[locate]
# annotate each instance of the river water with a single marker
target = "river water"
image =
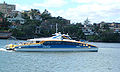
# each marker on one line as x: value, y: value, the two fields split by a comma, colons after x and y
x: 107, y: 59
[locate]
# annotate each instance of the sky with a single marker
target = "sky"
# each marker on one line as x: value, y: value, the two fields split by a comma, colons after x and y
x: 74, y: 10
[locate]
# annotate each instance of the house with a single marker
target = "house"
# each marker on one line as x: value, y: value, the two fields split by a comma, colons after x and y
x: 17, y: 19
x: 87, y: 28
x: 116, y: 30
x: 38, y: 17
x: 87, y: 31
x: 6, y: 8
x: 110, y: 25
x: 38, y: 29
x: 113, y: 26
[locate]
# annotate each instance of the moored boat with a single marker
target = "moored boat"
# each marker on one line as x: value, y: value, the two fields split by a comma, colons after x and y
x: 58, y: 42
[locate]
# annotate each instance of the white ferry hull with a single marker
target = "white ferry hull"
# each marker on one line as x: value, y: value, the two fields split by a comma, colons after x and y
x: 56, y: 49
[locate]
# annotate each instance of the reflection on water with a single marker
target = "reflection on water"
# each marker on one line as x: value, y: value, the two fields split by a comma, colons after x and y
x: 105, y: 60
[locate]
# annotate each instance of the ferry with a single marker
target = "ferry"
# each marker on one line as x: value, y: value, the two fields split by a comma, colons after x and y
x: 58, y: 42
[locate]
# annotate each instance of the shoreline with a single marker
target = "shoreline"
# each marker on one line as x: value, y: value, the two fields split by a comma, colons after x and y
x: 88, y: 41
x: 106, y: 41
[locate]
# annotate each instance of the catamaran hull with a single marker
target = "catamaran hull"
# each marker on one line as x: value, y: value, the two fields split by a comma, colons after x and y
x: 56, y: 49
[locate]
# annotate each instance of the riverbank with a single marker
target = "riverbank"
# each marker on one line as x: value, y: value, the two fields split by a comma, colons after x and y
x: 23, y: 38
x: 105, y: 41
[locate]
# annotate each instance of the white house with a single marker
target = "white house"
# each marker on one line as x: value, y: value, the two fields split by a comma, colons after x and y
x: 18, y: 18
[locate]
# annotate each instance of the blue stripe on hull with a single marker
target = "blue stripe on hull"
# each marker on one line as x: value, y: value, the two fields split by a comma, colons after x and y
x: 57, y: 49
x: 40, y: 47
x: 54, y: 46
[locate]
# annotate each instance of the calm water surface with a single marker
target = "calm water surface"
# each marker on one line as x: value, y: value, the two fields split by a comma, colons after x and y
x: 107, y: 59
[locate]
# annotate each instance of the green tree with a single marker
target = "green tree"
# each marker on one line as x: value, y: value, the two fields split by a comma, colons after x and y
x: 46, y: 15
x: 1, y: 14
x: 75, y: 32
x: 25, y: 15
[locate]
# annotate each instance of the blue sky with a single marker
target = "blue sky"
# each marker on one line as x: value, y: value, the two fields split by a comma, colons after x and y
x: 74, y: 10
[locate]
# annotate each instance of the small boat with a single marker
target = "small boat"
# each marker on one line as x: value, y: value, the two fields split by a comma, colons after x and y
x: 58, y: 42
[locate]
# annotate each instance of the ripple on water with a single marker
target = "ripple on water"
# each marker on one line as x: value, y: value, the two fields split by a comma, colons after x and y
x: 105, y: 60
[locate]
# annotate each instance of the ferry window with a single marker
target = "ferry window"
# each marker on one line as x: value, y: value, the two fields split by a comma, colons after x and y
x: 31, y: 42
x: 59, y: 42
x: 45, y: 43
x: 65, y: 43
x: 55, y: 42
x: 52, y: 43
x: 37, y: 41
x: 48, y: 42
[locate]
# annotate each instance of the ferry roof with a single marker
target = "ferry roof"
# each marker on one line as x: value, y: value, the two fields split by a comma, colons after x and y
x: 41, y: 39
x: 58, y: 36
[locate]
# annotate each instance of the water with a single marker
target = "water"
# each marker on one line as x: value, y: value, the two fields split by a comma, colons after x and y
x: 107, y: 59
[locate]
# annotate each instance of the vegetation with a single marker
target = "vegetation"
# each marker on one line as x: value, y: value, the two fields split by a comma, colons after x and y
x: 47, y: 27
x: 105, y: 34
x: 4, y: 24
x: 110, y: 36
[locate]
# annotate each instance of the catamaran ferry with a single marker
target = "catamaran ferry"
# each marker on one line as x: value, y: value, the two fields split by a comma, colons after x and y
x: 58, y: 42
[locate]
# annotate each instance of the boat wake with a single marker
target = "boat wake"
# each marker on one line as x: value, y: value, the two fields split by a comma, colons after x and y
x: 2, y: 49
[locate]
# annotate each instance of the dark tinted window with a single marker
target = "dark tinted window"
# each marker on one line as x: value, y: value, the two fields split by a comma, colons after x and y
x: 60, y: 43
x: 37, y: 41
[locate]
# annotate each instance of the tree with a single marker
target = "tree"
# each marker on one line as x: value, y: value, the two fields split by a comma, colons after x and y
x: 106, y: 26
x: 75, y: 32
x: 86, y: 22
x: 25, y: 15
x: 1, y: 14
x: 46, y: 15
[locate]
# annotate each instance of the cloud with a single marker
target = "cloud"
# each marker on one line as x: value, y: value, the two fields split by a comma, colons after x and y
x: 25, y: 7
x: 97, y: 1
x: 51, y: 3
x: 95, y: 10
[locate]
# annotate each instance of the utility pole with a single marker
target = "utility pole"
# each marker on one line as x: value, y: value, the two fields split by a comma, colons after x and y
x: 56, y: 28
